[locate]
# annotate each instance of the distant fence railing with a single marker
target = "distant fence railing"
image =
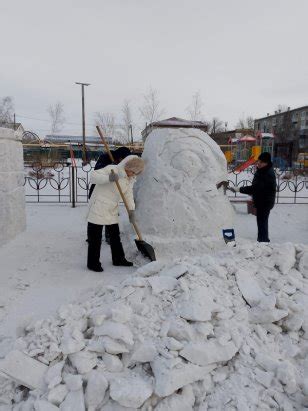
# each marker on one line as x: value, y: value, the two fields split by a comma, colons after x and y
x: 62, y: 183
x: 292, y: 185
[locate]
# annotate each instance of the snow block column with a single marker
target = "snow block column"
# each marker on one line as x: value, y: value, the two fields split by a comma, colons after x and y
x: 12, y: 193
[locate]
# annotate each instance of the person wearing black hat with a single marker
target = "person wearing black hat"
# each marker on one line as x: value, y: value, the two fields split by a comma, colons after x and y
x: 103, y: 161
x: 263, y: 192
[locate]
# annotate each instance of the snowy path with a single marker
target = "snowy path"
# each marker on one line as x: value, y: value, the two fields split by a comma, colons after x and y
x: 46, y: 266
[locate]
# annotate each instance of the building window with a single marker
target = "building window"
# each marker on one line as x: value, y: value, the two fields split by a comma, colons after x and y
x: 294, y: 117
x: 302, y: 142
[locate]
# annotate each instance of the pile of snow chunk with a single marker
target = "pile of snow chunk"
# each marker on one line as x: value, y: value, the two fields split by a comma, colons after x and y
x: 219, y: 332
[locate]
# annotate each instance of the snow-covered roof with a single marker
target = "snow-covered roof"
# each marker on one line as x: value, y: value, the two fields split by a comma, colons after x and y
x: 174, y: 122
x: 178, y: 122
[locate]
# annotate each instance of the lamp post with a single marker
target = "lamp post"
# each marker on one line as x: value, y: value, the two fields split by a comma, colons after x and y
x: 84, y: 155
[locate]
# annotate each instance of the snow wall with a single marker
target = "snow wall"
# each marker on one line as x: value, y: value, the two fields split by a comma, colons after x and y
x: 178, y: 205
x: 12, y: 194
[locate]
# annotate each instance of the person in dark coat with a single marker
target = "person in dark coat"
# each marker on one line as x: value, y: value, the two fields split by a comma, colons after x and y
x: 263, y: 192
x: 103, y: 161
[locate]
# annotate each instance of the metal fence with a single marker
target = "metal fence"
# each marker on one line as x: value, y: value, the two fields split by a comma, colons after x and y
x: 63, y: 183
x: 292, y: 185
x: 60, y: 183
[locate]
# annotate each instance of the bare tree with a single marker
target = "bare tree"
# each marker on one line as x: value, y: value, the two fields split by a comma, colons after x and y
x: 151, y: 110
x: 215, y: 126
x: 107, y: 122
x: 246, y: 123
x: 6, y: 110
x: 56, y: 113
x: 127, y: 120
x: 195, y: 109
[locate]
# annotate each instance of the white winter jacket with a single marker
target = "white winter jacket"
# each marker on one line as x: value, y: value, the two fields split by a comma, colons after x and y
x: 104, y: 202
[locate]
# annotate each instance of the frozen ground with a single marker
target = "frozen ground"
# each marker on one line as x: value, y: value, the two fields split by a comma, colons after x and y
x: 46, y: 265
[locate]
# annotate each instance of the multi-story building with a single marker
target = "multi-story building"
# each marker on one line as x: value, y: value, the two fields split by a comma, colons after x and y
x: 290, y: 130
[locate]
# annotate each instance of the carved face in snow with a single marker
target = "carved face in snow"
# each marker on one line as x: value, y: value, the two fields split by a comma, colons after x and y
x: 177, y: 194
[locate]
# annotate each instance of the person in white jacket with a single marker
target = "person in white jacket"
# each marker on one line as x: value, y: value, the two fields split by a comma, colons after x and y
x: 104, y: 209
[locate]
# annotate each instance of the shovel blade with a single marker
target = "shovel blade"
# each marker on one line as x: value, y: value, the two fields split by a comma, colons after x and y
x: 146, y: 249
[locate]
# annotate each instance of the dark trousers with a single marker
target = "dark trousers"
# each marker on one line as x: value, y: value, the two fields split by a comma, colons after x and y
x: 95, y: 241
x: 262, y: 221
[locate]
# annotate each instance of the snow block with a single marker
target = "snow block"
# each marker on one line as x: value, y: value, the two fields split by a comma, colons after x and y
x: 115, y: 330
x: 24, y: 369
x: 197, y: 305
x: 208, y: 352
x: 249, y: 287
x: 171, y: 375
x: 12, y: 193
x: 131, y: 389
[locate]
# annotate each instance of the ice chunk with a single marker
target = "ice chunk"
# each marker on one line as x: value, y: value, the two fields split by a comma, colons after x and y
x: 209, y: 352
x: 170, y: 376
x: 70, y: 345
x: 43, y: 405
x: 96, y: 389
x: 115, y: 330
x: 160, y: 283
x: 73, y: 382
x: 112, y: 346
x: 57, y: 394
x: 53, y: 375
x: 131, y: 389
x: 112, y: 362
x: 149, y: 269
x: 74, y: 401
x: 180, y: 330
x: 178, y: 402
x: 144, y: 352
x: 24, y: 369
x: 83, y: 361
x: 249, y: 287
x: 258, y: 315
x: 198, y: 305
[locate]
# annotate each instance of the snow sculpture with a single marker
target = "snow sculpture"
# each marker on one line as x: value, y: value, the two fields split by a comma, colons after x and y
x: 12, y: 196
x: 177, y: 198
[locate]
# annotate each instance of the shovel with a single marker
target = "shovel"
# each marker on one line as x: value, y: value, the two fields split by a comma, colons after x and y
x: 146, y: 249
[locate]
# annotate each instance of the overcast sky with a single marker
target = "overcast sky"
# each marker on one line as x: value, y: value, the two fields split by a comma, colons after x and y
x: 244, y: 56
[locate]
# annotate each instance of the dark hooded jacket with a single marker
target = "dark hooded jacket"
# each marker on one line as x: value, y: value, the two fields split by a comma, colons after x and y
x: 104, y: 161
x: 263, y: 188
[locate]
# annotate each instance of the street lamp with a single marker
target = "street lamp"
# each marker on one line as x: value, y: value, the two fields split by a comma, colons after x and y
x: 84, y: 156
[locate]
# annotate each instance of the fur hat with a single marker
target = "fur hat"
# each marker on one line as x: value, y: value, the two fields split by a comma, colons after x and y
x: 134, y: 164
x: 265, y: 157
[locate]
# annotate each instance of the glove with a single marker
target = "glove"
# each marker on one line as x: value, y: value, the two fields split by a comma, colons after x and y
x: 234, y: 189
x: 113, y: 177
x: 131, y: 216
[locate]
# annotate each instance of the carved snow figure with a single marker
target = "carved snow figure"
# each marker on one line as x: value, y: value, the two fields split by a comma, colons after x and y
x: 178, y: 203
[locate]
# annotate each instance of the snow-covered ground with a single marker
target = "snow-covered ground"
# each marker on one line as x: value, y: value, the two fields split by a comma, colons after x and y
x: 228, y: 343
x: 46, y: 265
